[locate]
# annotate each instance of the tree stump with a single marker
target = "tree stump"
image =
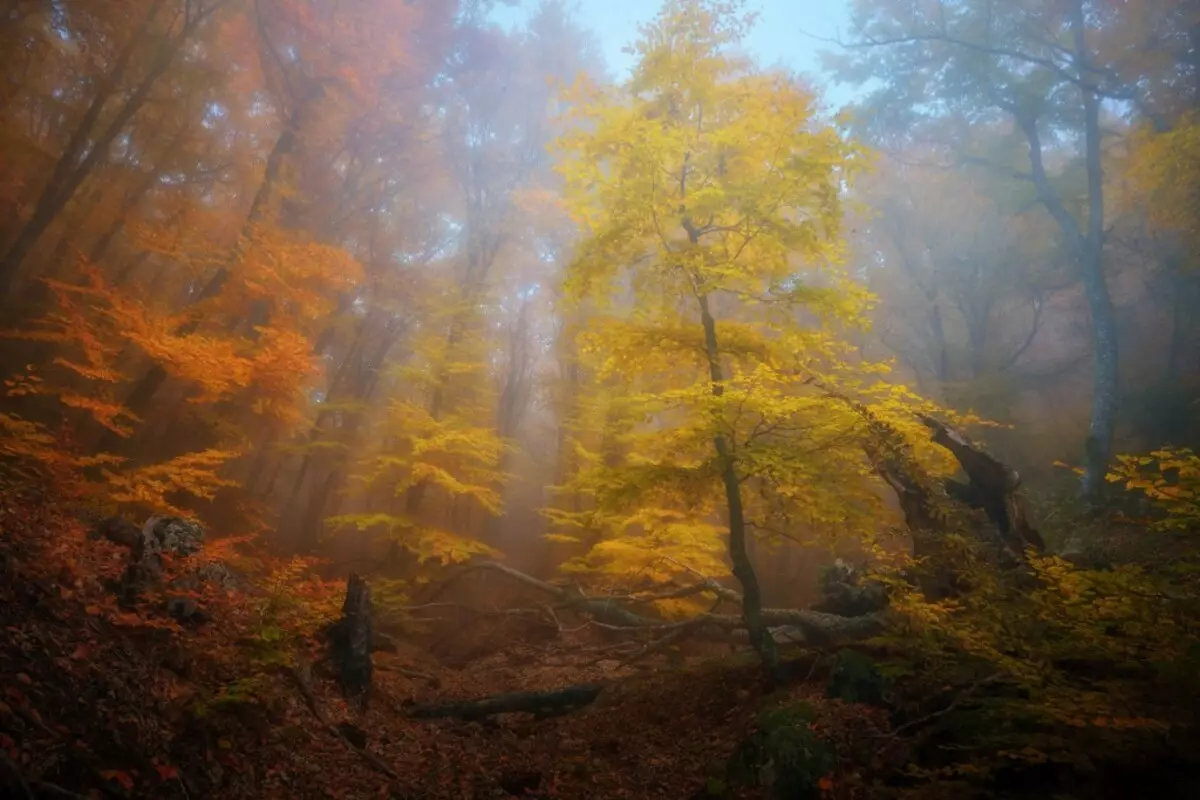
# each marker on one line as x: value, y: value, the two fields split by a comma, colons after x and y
x: 350, y: 641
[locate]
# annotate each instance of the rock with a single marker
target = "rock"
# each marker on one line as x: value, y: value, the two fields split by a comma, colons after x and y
x: 175, y: 535
x: 140, y: 575
x: 847, y: 592
x: 159, y: 535
x: 213, y: 573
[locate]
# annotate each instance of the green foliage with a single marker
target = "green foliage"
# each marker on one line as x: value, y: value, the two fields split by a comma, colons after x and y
x: 856, y: 679
x: 295, y: 606
x: 784, y: 755
x: 231, y: 696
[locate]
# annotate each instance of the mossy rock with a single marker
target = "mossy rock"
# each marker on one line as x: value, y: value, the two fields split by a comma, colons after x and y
x: 856, y: 679
x: 783, y: 755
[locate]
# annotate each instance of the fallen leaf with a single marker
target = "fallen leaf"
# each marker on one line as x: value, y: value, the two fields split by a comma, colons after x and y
x: 118, y: 776
x: 166, y: 772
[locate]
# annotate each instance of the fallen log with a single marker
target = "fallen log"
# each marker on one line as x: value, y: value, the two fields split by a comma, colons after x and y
x: 795, y: 626
x: 540, y: 704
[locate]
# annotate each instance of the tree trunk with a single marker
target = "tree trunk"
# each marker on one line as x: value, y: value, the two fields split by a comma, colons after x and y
x: 743, y: 568
x: 70, y: 171
x: 540, y: 704
x: 1087, y: 245
x: 1088, y: 251
x: 350, y: 641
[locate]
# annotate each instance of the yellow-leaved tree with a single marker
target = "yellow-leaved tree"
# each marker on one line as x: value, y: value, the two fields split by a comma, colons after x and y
x: 436, y: 441
x: 710, y: 199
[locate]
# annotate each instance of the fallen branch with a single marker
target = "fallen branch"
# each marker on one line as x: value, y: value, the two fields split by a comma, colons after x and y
x: 45, y: 790
x: 662, y: 643
x: 416, y: 675
x: 802, y: 626
x: 540, y: 704
x: 311, y: 699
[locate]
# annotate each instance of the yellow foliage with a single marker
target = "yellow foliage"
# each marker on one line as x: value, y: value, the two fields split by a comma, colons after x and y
x: 147, y: 488
x: 1171, y: 478
x: 428, y: 543
x: 1164, y: 171
x: 710, y: 272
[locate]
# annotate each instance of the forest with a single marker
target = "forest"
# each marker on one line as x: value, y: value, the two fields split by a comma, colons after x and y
x: 402, y: 400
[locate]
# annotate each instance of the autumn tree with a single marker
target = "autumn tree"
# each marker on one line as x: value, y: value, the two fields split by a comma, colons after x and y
x: 455, y: 398
x: 710, y: 198
x: 968, y: 272
x: 1035, y: 66
x: 115, y: 98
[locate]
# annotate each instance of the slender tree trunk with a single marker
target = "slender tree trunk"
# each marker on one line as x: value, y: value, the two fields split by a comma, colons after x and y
x: 1087, y: 248
x: 134, y: 198
x: 939, y: 336
x: 1104, y: 326
x: 70, y: 171
x: 743, y: 567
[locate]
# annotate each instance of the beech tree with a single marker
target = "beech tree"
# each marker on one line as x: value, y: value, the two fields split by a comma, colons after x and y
x: 1034, y: 65
x: 710, y: 201
x: 967, y: 272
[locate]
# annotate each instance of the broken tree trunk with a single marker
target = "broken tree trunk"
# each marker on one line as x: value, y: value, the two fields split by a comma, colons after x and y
x: 540, y: 704
x: 350, y: 641
x: 992, y: 486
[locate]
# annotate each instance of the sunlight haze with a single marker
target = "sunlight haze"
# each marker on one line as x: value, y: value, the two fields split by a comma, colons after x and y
x: 429, y: 399
x: 787, y: 32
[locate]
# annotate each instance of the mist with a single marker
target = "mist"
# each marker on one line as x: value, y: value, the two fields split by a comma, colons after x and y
x: 744, y: 370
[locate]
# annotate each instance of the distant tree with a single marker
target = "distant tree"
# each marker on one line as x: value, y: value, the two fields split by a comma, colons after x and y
x: 966, y: 276
x: 1034, y: 65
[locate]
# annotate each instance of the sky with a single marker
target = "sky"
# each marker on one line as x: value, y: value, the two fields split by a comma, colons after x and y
x: 784, y: 33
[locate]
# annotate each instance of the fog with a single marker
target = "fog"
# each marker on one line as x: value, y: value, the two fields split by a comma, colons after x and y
x: 621, y: 296
x: 322, y: 249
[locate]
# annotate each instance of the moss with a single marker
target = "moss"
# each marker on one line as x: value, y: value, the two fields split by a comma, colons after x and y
x: 784, y: 755
x: 856, y: 679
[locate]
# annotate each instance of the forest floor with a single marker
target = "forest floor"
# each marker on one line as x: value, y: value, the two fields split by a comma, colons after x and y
x: 96, y: 701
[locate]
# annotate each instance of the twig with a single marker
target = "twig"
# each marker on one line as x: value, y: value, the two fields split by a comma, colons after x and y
x: 412, y: 673
x: 366, y: 755
x: 44, y: 790
x: 958, y: 701
x: 553, y: 618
